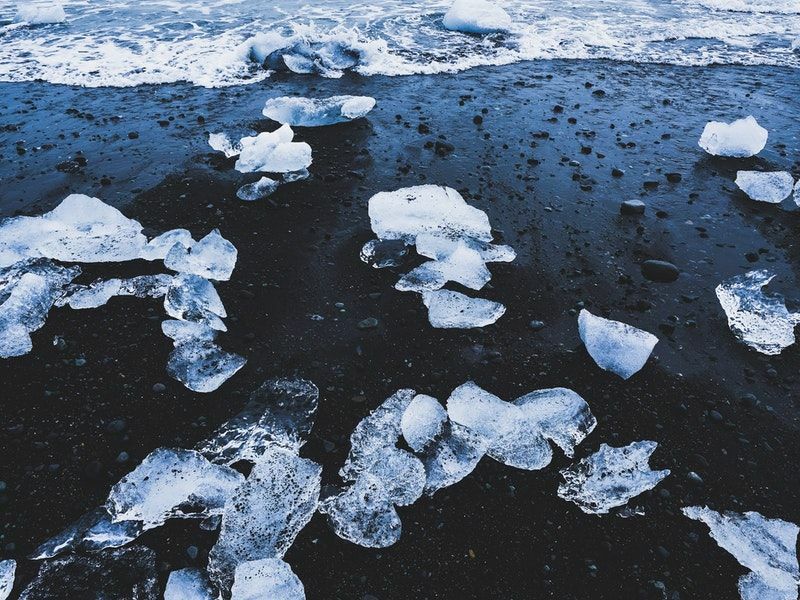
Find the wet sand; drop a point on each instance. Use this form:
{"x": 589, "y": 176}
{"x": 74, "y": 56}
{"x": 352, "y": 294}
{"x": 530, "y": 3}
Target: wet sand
{"x": 540, "y": 164}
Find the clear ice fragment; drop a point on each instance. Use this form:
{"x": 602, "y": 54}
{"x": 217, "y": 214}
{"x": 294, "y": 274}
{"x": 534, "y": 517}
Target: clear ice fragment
{"x": 257, "y": 190}
{"x": 454, "y": 310}
{"x": 384, "y": 253}
{"x": 192, "y": 298}
{"x": 266, "y": 579}
{"x": 189, "y": 584}
{"x": 202, "y": 366}
{"x": 476, "y": 16}
{"x": 423, "y": 421}
{"x": 213, "y": 257}
{"x": 273, "y": 152}
{"x": 741, "y": 139}
{"x": 314, "y": 112}
{"x": 773, "y": 187}
{"x": 222, "y": 143}
{"x": 452, "y": 456}
{"x": 615, "y": 346}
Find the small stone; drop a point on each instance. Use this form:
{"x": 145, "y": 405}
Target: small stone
{"x": 660, "y": 270}
{"x": 674, "y": 177}
{"x": 116, "y": 426}
{"x": 159, "y": 388}
{"x": 192, "y": 552}
{"x": 694, "y": 478}
{"x": 617, "y": 172}
{"x": 368, "y": 323}
{"x": 632, "y": 207}
{"x": 536, "y": 325}
{"x": 123, "y": 457}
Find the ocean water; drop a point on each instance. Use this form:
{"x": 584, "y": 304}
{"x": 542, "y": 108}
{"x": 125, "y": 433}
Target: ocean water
{"x": 225, "y": 42}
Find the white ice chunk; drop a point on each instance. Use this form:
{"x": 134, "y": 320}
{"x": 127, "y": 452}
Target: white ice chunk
{"x": 760, "y": 321}
{"x": 222, "y": 143}
{"x": 453, "y": 456}
{"x": 476, "y": 16}
{"x": 615, "y": 346}
{"x": 454, "y": 310}
{"x": 463, "y": 265}
{"x": 257, "y": 190}
{"x": 765, "y": 546}
{"x": 202, "y": 366}
{"x": 186, "y": 331}
{"x": 423, "y": 421}
{"x": 741, "y": 139}
{"x": 192, "y": 298}
{"x": 796, "y": 196}
{"x": 773, "y": 187}
{"x": 189, "y": 584}
{"x": 266, "y": 579}
{"x": 158, "y": 247}
{"x": 265, "y": 514}
{"x": 101, "y": 291}
{"x": 172, "y": 483}
{"x": 8, "y": 569}
{"x": 273, "y": 152}
{"x": 440, "y": 247}
{"x": 610, "y": 477}
{"x": 213, "y": 257}
{"x": 40, "y": 13}
{"x": 314, "y": 112}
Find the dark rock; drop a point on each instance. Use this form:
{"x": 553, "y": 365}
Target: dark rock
{"x": 632, "y": 207}
{"x": 617, "y": 172}
{"x": 660, "y": 270}
{"x": 368, "y": 323}
{"x": 674, "y": 177}
{"x": 536, "y": 325}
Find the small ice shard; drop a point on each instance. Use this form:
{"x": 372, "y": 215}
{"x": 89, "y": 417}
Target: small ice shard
{"x": 128, "y": 573}
{"x": 222, "y": 143}
{"x": 440, "y": 247}
{"x": 192, "y": 298}
{"x": 266, "y": 512}
{"x": 760, "y": 321}
{"x": 314, "y": 112}
{"x": 454, "y": 310}
{"x": 741, "y": 139}
{"x": 384, "y": 253}
{"x": 615, "y": 346}
{"x": 773, "y": 187}
{"x": 610, "y": 477}
{"x": 159, "y": 246}
{"x": 8, "y": 569}
{"x": 169, "y": 484}
{"x": 423, "y": 421}
{"x": 187, "y": 331}
{"x": 101, "y": 291}
{"x": 257, "y": 190}
{"x": 202, "y": 366}
{"x": 797, "y": 193}
{"x": 266, "y": 579}
{"x": 279, "y": 413}
{"x": 765, "y": 546}
{"x": 453, "y": 456}
{"x": 40, "y": 13}
{"x": 213, "y": 257}
{"x": 273, "y": 152}
{"x": 293, "y": 176}
{"x": 463, "y": 265}
{"x": 189, "y": 584}
{"x": 476, "y": 16}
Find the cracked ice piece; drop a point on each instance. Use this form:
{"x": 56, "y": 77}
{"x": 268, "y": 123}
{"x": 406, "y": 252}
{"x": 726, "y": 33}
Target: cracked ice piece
{"x": 610, "y": 477}
{"x": 189, "y": 584}
{"x": 454, "y": 310}
{"x": 423, "y": 421}
{"x": 222, "y": 143}
{"x": 773, "y": 187}
{"x": 80, "y": 229}
{"x": 426, "y": 209}
{"x": 213, "y": 257}
{"x": 266, "y": 512}
{"x": 760, "y": 321}
{"x": 273, "y": 152}
{"x": 615, "y": 346}
{"x": 280, "y": 412}
{"x": 439, "y": 247}
{"x": 463, "y": 265}
{"x": 101, "y": 291}
{"x": 765, "y": 546}
{"x": 476, "y": 16}
{"x": 158, "y": 247}
{"x": 257, "y": 190}
{"x": 453, "y": 456}
{"x": 268, "y": 578}
{"x": 120, "y": 573}
{"x": 384, "y": 253}
{"x": 741, "y": 139}
{"x": 314, "y": 112}
{"x": 202, "y": 366}
{"x": 93, "y": 531}
{"x": 172, "y": 483}
{"x": 8, "y": 569}
{"x": 192, "y": 298}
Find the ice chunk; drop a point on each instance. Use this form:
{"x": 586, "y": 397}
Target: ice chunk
{"x": 213, "y": 257}
{"x": 453, "y": 456}
{"x": 266, "y": 579}
{"x": 40, "y": 13}
{"x": 172, "y": 483}
{"x": 187, "y": 331}
{"x": 440, "y": 247}
{"x": 615, "y": 346}
{"x": 329, "y": 58}
{"x": 765, "y": 546}
{"x": 257, "y": 190}
{"x": 760, "y": 321}
{"x": 610, "y": 477}
{"x": 314, "y": 112}
{"x": 797, "y": 193}
{"x": 189, "y": 584}
{"x": 293, "y": 176}
{"x": 773, "y": 187}
{"x": 8, "y": 569}
{"x": 128, "y": 572}
{"x": 741, "y": 139}
{"x": 279, "y": 413}
{"x": 222, "y": 143}
{"x": 157, "y": 248}
{"x": 265, "y": 514}
{"x": 101, "y": 291}
{"x": 476, "y": 16}
{"x": 202, "y": 366}
{"x": 273, "y": 152}
{"x": 192, "y": 298}
{"x": 384, "y": 253}
{"x": 454, "y": 310}
{"x": 423, "y": 421}
{"x": 464, "y": 265}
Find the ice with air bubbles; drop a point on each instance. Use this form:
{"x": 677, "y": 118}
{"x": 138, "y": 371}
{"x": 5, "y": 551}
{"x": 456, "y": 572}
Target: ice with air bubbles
{"x": 8, "y": 569}
{"x": 771, "y": 186}
{"x": 266, "y": 578}
{"x": 615, "y": 346}
{"x": 315, "y": 112}
{"x": 189, "y": 584}
{"x": 423, "y": 421}
{"x": 454, "y": 310}
{"x": 273, "y": 152}
{"x": 742, "y": 138}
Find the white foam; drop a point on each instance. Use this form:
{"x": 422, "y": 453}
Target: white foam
{"x": 476, "y": 16}
{"x": 40, "y": 13}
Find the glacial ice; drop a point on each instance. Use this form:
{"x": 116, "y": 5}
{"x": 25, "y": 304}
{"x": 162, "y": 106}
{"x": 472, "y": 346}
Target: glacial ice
{"x": 615, "y": 346}
{"x": 610, "y": 477}
{"x": 384, "y": 253}
{"x": 279, "y": 413}
{"x": 266, "y": 579}
{"x": 464, "y": 265}
{"x": 765, "y": 546}
{"x": 172, "y": 483}
{"x": 452, "y": 456}
{"x": 222, "y": 143}
{"x": 257, "y": 190}
{"x": 213, "y": 257}
{"x": 193, "y": 298}
{"x": 760, "y": 321}
{"x": 202, "y": 366}
{"x": 101, "y": 291}
{"x": 741, "y": 139}
{"x": 273, "y": 152}
{"x": 159, "y": 246}
{"x": 423, "y": 421}
{"x": 40, "y": 13}
{"x": 8, "y": 569}
{"x": 773, "y": 187}
{"x": 299, "y": 54}
{"x": 476, "y": 16}
{"x": 187, "y": 331}
{"x": 189, "y": 584}
{"x": 315, "y": 112}
{"x": 449, "y": 310}
{"x": 266, "y": 512}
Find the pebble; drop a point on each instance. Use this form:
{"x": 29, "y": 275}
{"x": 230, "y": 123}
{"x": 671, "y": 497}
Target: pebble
{"x": 159, "y": 388}
{"x": 368, "y": 323}
{"x": 660, "y": 270}
{"x": 192, "y": 552}
{"x": 694, "y": 478}
{"x": 536, "y": 325}
{"x": 617, "y": 172}
{"x": 632, "y": 207}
